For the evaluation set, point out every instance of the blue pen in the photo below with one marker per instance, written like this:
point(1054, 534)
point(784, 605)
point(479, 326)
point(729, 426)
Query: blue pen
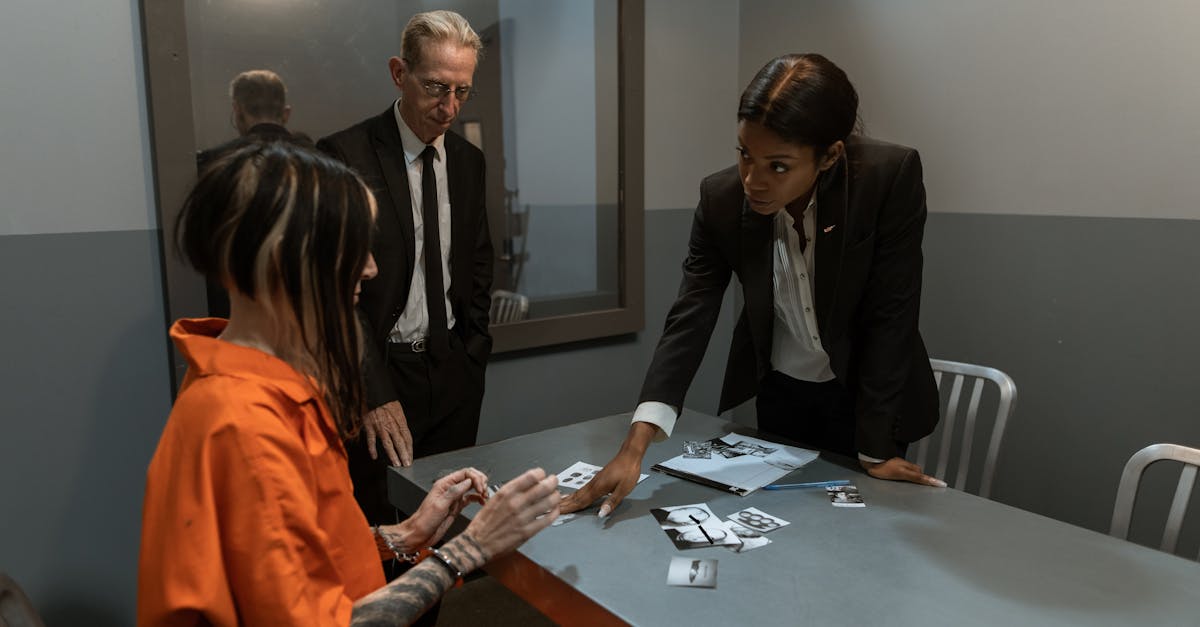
point(811, 484)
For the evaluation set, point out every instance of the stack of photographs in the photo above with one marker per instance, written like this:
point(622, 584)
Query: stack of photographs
point(735, 463)
point(694, 526)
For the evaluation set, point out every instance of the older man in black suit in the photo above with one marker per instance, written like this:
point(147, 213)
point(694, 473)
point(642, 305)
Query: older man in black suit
point(426, 314)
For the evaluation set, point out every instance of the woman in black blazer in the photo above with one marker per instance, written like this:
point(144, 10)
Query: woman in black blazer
point(823, 230)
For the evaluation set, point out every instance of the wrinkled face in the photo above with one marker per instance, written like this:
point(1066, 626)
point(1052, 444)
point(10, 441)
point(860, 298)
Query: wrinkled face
point(776, 173)
point(443, 63)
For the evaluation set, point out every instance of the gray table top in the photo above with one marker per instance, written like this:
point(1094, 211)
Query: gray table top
point(913, 556)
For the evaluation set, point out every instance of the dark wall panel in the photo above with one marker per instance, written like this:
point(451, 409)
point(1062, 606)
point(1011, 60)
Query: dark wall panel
point(85, 392)
point(1096, 320)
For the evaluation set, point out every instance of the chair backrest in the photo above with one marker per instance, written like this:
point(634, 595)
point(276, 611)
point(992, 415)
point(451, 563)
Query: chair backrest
point(15, 608)
point(956, 376)
point(1132, 477)
point(509, 306)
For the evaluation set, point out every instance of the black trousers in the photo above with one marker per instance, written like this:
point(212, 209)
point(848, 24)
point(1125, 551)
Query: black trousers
point(817, 415)
point(441, 402)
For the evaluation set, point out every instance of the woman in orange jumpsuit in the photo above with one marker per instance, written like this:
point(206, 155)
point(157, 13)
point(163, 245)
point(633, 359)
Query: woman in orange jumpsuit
point(249, 514)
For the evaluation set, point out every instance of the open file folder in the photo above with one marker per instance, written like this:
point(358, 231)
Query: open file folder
point(738, 463)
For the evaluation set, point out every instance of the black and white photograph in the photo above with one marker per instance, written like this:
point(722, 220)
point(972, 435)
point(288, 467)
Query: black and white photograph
point(698, 449)
point(713, 533)
point(757, 519)
point(692, 573)
point(579, 473)
point(845, 496)
point(738, 463)
point(750, 538)
point(683, 515)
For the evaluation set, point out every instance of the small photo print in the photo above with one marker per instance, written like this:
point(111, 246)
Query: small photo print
point(579, 474)
point(845, 496)
point(697, 449)
point(750, 538)
point(757, 519)
point(739, 448)
point(683, 515)
point(712, 533)
point(562, 520)
point(692, 573)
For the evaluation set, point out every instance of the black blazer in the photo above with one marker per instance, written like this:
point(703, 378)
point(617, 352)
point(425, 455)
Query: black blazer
point(866, 288)
point(373, 148)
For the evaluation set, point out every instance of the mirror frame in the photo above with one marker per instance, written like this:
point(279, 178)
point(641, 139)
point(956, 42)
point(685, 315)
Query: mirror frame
point(173, 151)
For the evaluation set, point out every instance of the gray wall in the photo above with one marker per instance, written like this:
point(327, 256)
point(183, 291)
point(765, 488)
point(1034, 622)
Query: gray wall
point(83, 385)
point(1060, 143)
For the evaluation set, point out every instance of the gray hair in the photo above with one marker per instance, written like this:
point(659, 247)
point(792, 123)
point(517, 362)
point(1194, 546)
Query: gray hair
point(437, 26)
point(260, 94)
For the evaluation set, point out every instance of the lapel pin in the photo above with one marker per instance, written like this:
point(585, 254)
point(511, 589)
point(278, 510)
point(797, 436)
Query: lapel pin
point(829, 228)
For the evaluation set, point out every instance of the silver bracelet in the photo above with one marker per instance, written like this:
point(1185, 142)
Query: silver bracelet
point(411, 558)
point(454, 570)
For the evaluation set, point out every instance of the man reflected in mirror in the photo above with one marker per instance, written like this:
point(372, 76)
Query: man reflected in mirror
point(258, 110)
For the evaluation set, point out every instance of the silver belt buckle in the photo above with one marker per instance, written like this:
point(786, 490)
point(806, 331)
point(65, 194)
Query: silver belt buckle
point(418, 345)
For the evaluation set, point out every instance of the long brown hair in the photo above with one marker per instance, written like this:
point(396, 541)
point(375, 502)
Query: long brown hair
point(291, 229)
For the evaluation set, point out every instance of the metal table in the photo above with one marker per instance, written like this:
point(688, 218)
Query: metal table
point(913, 556)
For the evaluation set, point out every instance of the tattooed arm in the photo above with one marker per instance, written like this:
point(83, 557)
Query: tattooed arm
point(404, 600)
point(520, 509)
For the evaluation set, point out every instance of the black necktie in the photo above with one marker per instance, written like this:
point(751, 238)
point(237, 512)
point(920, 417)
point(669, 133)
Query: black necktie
point(435, 293)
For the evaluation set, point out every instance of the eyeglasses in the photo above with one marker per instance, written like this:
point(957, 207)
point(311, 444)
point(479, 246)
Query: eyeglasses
point(438, 90)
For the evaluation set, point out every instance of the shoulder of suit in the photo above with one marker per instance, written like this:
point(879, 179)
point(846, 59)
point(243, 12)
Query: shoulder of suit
point(726, 181)
point(867, 149)
point(457, 142)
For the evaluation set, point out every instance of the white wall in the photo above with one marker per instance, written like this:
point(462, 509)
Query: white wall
point(1070, 108)
point(73, 125)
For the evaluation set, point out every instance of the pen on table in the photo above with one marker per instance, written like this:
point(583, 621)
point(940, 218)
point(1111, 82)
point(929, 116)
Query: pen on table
point(706, 536)
point(810, 484)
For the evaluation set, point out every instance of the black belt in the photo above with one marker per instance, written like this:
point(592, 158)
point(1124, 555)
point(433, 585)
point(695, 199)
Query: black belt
point(415, 346)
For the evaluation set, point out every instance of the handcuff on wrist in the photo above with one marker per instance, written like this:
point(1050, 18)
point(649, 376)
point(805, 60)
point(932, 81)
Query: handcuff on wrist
point(418, 556)
point(411, 558)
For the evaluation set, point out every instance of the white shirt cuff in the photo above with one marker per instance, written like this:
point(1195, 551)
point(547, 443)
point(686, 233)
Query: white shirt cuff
point(658, 414)
point(868, 458)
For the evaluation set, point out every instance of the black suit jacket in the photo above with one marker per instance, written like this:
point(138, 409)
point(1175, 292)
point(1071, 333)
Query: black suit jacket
point(373, 148)
point(866, 288)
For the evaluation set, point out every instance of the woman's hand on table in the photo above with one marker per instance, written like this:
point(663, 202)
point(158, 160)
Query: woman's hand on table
point(900, 469)
point(618, 477)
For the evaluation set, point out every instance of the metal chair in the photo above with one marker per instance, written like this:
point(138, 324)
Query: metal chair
point(509, 307)
point(1132, 477)
point(15, 608)
point(949, 428)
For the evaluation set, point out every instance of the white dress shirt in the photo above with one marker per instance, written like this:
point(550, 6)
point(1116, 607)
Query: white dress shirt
point(796, 341)
point(413, 324)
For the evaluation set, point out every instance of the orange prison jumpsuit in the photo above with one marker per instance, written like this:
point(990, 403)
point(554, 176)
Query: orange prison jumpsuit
point(249, 516)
